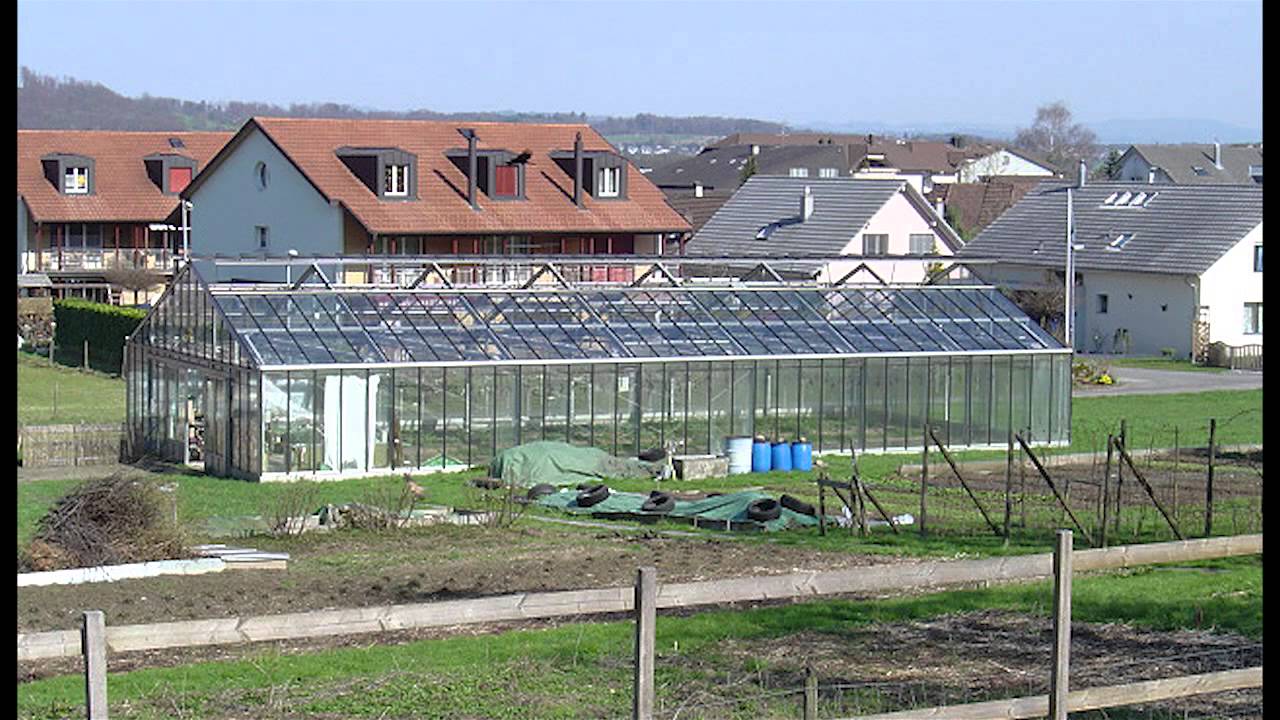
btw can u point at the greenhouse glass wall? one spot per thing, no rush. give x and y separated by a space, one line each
275 381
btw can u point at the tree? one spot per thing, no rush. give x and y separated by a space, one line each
1110 168
749 168
134 279
1060 140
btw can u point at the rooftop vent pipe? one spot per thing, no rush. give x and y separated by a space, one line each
470 135
1151 175
697 189
806 204
577 169
1217 154
1083 172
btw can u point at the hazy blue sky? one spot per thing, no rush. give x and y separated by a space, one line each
838 62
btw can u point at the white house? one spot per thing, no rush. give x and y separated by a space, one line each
1003 163
1191 164
1156 266
884 223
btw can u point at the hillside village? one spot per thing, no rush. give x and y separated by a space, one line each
335 412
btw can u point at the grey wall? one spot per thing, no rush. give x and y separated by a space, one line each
228 206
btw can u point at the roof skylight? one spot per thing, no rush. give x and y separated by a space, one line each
1120 241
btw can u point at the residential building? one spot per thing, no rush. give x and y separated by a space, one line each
91 203
1156 266
318 187
1005 162
886 224
968 207
1192 164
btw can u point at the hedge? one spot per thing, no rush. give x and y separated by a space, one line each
105 327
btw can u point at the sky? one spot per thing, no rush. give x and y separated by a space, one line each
797 62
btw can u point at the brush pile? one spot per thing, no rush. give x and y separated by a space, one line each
107 521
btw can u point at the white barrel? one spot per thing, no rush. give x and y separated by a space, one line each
739 451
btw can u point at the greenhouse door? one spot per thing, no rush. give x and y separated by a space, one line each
216 425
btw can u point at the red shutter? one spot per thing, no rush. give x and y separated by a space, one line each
505 179
179 177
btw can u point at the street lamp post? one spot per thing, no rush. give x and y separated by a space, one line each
186 229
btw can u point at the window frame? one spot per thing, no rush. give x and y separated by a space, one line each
603 188
394 172
913 237
1104 303
828 172
81 174
799 172
879 238
262 236
1252 318
1257 257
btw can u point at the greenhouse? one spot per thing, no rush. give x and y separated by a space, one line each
313 378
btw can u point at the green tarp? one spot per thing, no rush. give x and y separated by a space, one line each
723 511
559 463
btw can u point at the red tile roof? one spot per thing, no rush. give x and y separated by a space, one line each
442 206
122 190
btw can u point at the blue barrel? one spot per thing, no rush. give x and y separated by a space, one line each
802 455
782 456
738 449
761 458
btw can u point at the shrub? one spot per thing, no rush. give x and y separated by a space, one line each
105 327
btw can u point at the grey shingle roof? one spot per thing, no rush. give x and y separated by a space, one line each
1182 229
841 207
720 168
1179 161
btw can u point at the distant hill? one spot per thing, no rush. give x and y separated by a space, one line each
46 102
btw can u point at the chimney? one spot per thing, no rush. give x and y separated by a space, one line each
806 204
577 169
1084 171
470 135
1151 175
755 149
940 208
1217 154
697 189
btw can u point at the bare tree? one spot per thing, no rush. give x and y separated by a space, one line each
1043 304
133 279
1055 136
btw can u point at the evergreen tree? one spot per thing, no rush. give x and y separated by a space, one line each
748 169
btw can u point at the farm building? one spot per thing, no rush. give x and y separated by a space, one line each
312 378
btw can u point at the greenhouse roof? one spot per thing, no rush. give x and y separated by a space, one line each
304 326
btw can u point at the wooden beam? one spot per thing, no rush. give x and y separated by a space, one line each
646 594
956 471
1096 698
1060 674
1124 456
94 642
1049 481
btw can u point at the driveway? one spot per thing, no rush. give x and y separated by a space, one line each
1145 381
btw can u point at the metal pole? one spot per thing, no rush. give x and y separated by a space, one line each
1008 490
646 616
1058 679
924 478
1067 329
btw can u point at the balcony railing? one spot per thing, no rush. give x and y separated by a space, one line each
496 275
158 259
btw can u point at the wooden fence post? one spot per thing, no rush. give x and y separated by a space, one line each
93 644
646 617
1105 491
810 693
1008 489
1120 474
822 507
1208 487
1059 680
924 478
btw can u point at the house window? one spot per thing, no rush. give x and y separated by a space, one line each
263 235
921 244
609 181
873 245
395 181
1257 258
75 181
1253 318
1103 303
828 172
261 175
799 172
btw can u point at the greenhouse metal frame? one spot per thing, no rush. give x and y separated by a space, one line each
311 378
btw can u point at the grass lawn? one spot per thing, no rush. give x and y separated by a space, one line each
583 670
53 394
1162 363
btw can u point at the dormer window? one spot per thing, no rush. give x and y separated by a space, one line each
608 182
387 172
171 172
395 181
75 180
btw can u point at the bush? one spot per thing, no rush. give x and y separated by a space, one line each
105 327
1086 372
